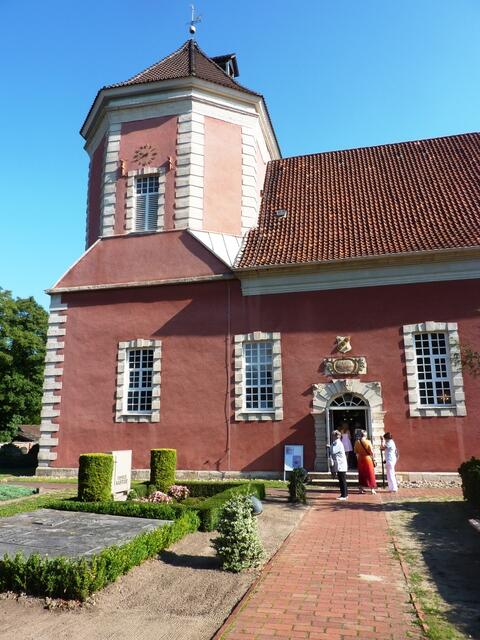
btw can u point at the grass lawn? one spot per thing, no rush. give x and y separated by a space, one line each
440 551
9 492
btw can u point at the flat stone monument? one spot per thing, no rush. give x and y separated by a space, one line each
69 533
122 474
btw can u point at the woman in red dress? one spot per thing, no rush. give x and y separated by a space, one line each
366 469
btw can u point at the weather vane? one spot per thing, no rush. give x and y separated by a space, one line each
195 20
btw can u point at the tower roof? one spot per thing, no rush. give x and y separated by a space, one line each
188 60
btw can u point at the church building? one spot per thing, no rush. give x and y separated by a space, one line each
231 302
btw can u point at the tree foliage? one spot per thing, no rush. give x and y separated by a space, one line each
23 334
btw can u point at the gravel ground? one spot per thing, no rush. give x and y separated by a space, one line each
183 595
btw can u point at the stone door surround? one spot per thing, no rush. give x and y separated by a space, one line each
324 393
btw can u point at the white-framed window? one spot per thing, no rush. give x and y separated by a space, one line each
138 381
258 376
434 370
145 200
258 372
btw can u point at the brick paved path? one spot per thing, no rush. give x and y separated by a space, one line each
335 578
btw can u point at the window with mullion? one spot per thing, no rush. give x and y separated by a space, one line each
433 369
258 371
140 379
146 202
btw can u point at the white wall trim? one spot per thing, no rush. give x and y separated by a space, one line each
261 282
52 382
130 198
241 413
110 177
324 393
121 414
190 171
457 408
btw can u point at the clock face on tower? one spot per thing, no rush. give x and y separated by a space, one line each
144 155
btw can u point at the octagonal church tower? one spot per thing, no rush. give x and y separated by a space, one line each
180 145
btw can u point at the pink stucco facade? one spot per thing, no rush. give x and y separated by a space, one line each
197 322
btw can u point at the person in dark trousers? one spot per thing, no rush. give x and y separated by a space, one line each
340 465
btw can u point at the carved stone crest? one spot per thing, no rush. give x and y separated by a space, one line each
342 344
345 366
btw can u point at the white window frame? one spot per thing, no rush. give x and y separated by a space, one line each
241 412
131 198
121 413
457 406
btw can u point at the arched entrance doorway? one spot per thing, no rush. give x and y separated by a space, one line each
348 401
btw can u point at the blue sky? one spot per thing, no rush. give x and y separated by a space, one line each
335 74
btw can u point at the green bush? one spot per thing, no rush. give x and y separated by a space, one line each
95 477
77 578
163 464
238 545
470 473
297 491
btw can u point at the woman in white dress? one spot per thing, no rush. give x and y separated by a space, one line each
391 457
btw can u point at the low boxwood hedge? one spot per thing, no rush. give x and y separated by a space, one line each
158 510
470 473
208 510
77 578
197 488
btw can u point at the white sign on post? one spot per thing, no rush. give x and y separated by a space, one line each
293 458
122 474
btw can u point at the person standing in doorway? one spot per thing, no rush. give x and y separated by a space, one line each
340 464
347 443
391 457
366 466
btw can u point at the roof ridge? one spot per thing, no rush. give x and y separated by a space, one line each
376 146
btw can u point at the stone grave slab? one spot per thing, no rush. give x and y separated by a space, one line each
69 533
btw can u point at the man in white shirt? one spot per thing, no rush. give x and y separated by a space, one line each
340 465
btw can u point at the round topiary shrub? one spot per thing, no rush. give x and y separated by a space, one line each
238 545
163 464
95 477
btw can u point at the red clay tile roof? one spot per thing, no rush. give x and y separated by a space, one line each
374 201
187 61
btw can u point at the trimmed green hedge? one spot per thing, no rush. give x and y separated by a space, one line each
158 510
470 473
163 464
95 473
77 578
197 488
208 511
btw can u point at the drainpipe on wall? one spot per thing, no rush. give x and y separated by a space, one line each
228 370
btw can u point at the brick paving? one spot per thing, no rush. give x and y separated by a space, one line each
335 578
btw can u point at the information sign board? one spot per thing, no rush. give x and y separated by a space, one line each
293 457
